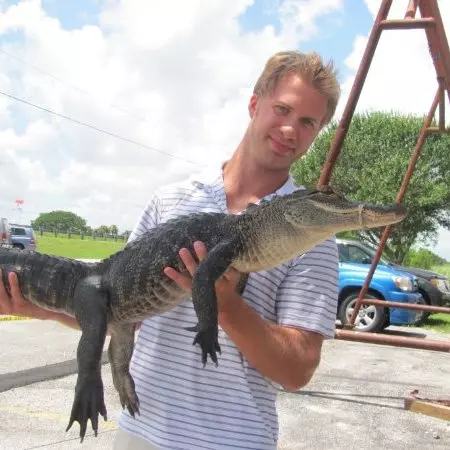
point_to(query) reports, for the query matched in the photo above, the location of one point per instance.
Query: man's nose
(288, 132)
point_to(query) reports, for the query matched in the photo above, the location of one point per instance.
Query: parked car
(5, 233)
(23, 237)
(388, 283)
(434, 287)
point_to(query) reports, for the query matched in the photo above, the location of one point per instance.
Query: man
(272, 334)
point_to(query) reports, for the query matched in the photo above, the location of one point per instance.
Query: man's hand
(225, 285)
(16, 304)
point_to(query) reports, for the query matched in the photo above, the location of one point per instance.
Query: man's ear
(252, 105)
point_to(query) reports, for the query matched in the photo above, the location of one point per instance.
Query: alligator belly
(157, 299)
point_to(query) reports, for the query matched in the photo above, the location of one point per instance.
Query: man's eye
(281, 109)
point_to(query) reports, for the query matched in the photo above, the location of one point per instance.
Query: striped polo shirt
(185, 406)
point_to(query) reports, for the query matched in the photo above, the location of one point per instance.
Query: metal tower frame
(431, 22)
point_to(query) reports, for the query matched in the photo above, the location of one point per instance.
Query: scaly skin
(130, 285)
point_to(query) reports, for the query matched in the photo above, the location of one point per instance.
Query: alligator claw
(128, 396)
(208, 341)
(88, 404)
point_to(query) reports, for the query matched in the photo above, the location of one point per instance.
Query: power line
(117, 136)
(60, 80)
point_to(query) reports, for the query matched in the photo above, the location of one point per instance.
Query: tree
(62, 220)
(423, 258)
(371, 167)
(102, 229)
(105, 229)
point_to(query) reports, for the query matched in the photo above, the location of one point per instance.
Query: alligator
(116, 293)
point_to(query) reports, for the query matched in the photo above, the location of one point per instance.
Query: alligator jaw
(377, 216)
(323, 212)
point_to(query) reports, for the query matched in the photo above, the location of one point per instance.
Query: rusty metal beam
(387, 230)
(437, 40)
(438, 130)
(429, 308)
(355, 93)
(396, 341)
(407, 24)
(431, 21)
(412, 9)
(441, 104)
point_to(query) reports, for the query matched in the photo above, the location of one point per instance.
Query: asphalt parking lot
(355, 401)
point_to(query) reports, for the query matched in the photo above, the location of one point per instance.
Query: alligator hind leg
(120, 351)
(204, 297)
(91, 313)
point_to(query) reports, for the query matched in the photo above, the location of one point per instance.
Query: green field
(75, 247)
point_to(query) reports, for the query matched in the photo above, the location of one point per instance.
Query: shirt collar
(213, 175)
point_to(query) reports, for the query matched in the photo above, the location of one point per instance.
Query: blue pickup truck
(387, 283)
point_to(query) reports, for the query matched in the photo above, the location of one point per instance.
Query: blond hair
(308, 66)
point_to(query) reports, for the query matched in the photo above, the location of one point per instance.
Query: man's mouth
(280, 147)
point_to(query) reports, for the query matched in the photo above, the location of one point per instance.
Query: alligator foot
(88, 404)
(127, 394)
(120, 351)
(208, 340)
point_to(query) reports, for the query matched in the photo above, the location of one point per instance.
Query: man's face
(285, 123)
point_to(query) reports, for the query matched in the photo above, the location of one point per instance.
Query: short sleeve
(149, 218)
(308, 295)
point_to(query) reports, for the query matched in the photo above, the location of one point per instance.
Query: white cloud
(175, 82)
(401, 77)
(300, 17)
(178, 83)
(442, 248)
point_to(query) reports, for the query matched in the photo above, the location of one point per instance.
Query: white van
(5, 233)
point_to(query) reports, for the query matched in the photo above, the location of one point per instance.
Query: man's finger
(188, 260)
(16, 293)
(3, 292)
(200, 250)
(182, 280)
(5, 301)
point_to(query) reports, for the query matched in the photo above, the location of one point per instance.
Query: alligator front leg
(120, 351)
(204, 297)
(90, 305)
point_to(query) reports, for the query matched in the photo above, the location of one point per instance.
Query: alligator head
(324, 211)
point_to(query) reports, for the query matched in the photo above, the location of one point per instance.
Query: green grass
(439, 322)
(75, 247)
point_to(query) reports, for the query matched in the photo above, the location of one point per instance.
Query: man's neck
(245, 182)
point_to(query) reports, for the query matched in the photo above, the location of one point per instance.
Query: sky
(147, 92)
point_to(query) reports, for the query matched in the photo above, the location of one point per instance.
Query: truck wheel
(370, 318)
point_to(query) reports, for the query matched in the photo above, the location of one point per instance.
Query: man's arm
(287, 355)
(17, 305)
